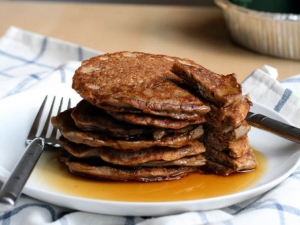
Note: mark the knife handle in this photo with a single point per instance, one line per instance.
(281, 129)
(13, 186)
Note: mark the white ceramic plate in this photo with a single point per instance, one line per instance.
(16, 116)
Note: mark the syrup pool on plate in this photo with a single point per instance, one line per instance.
(52, 175)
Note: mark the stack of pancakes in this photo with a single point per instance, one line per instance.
(146, 117)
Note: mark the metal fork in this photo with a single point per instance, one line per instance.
(52, 140)
(276, 127)
(13, 186)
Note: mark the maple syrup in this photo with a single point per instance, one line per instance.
(52, 175)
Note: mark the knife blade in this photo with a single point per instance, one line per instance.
(274, 126)
(13, 186)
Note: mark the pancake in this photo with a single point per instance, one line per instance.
(94, 168)
(155, 121)
(139, 83)
(128, 158)
(70, 131)
(90, 118)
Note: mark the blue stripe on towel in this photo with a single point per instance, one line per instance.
(22, 84)
(273, 204)
(80, 54)
(35, 76)
(44, 44)
(62, 76)
(5, 74)
(26, 61)
(129, 220)
(203, 217)
(235, 208)
(281, 209)
(6, 216)
(34, 59)
(287, 93)
(295, 175)
(291, 80)
(63, 221)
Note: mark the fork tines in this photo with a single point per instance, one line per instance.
(51, 140)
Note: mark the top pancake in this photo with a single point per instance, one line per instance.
(137, 82)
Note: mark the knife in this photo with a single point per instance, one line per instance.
(13, 186)
(274, 126)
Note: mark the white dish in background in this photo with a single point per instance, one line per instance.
(275, 34)
(16, 116)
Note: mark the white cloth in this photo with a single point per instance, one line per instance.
(27, 60)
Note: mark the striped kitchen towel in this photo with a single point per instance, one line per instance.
(282, 97)
(27, 60)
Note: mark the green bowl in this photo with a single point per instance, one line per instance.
(274, 6)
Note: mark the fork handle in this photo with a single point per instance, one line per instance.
(13, 186)
(266, 123)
